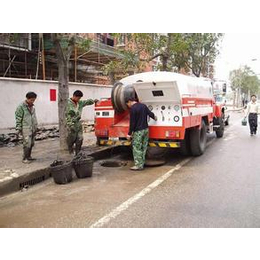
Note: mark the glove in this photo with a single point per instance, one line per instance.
(155, 118)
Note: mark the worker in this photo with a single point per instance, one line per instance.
(251, 111)
(73, 116)
(26, 124)
(138, 131)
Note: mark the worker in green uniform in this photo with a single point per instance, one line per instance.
(26, 124)
(139, 131)
(73, 116)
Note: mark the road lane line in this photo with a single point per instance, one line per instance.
(117, 211)
(125, 205)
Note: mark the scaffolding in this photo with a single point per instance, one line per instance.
(32, 56)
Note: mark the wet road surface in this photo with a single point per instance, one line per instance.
(219, 189)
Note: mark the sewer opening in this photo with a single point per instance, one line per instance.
(32, 182)
(112, 164)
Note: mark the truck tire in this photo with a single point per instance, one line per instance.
(227, 121)
(198, 139)
(220, 131)
(155, 152)
(185, 145)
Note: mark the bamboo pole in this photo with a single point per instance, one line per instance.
(25, 63)
(38, 58)
(43, 60)
(75, 60)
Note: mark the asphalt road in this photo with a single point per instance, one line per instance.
(219, 189)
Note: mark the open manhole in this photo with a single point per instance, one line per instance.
(112, 164)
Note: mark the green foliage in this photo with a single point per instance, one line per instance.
(187, 51)
(202, 50)
(68, 40)
(112, 67)
(14, 37)
(82, 43)
(245, 79)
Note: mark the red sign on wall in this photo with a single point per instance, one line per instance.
(53, 95)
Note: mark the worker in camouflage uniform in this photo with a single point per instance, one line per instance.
(73, 116)
(26, 124)
(138, 131)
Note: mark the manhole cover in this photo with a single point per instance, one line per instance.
(112, 164)
(152, 163)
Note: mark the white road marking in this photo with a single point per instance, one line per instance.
(125, 205)
(117, 211)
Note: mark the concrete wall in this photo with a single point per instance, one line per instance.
(13, 91)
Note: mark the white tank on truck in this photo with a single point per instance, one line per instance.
(184, 105)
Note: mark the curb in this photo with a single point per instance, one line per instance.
(34, 177)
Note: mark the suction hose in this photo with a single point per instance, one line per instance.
(120, 94)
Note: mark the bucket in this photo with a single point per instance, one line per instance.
(244, 122)
(62, 172)
(84, 167)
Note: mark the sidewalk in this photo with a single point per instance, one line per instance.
(234, 109)
(14, 174)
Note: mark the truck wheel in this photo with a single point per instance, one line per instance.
(198, 140)
(185, 145)
(227, 121)
(220, 131)
(155, 152)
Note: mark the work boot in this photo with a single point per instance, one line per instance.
(26, 154)
(136, 168)
(27, 161)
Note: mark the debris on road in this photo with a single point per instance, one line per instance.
(45, 133)
(8, 174)
(12, 139)
(25, 188)
(57, 163)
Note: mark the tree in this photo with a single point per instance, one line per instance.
(177, 52)
(202, 50)
(111, 69)
(64, 45)
(134, 56)
(244, 81)
(251, 85)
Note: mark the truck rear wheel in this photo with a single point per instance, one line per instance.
(185, 144)
(220, 131)
(198, 139)
(227, 121)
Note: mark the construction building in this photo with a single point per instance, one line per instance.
(32, 56)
